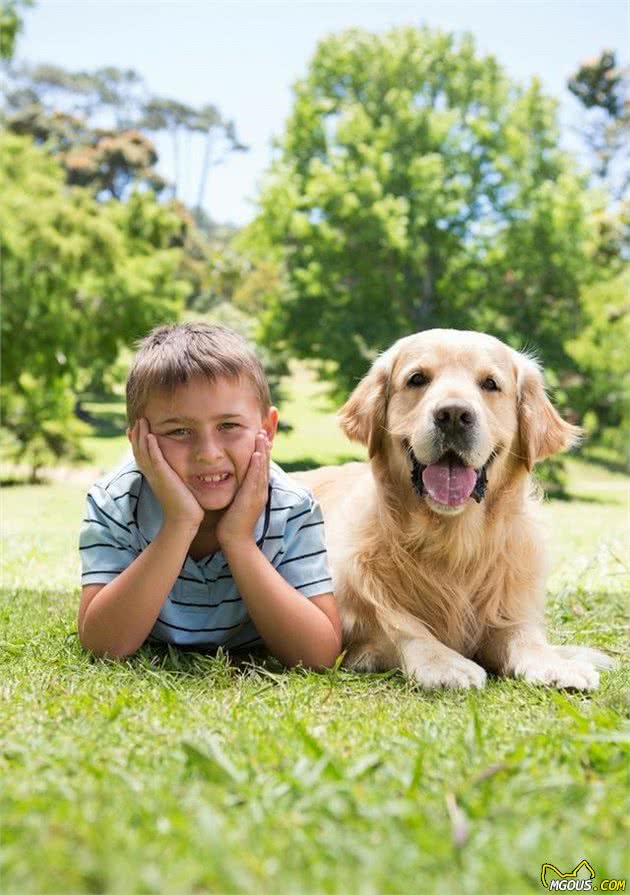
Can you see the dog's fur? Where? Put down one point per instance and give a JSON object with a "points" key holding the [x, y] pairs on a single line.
{"points": [[437, 590]]}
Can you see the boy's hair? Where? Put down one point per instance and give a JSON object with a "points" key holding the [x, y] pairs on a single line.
{"points": [[172, 355]]}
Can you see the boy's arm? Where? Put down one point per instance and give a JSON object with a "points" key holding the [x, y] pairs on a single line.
{"points": [[116, 618], [295, 629]]}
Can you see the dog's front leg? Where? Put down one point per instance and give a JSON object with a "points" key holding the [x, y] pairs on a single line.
{"points": [[431, 664], [521, 650]]}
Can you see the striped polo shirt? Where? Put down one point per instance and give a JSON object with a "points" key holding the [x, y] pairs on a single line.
{"points": [[204, 608]]}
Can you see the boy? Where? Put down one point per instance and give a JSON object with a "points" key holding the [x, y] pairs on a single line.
{"points": [[199, 540]]}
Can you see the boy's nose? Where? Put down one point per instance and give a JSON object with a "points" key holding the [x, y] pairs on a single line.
{"points": [[209, 450]]}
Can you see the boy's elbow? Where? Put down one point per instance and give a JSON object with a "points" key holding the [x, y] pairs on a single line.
{"points": [[110, 651], [326, 656], [334, 647]]}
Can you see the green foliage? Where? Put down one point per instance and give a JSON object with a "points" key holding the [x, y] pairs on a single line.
{"points": [[10, 25], [215, 270], [602, 86], [69, 111], [598, 82], [80, 280], [601, 351], [417, 187], [41, 424], [65, 112], [113, 164]]}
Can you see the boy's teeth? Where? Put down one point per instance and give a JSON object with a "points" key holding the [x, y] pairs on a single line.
{"points": [[214, 478]]}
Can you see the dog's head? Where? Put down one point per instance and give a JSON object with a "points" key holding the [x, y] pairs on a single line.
{"points": [[451, 413]]}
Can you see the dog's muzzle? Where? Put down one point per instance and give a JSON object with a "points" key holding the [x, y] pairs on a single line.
{"points": [[449, 481]]}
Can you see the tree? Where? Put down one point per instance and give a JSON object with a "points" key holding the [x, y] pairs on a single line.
{"points": [[97, 124], [80, 279], [416, 186], [114, 165], [603, 89], [602, 390], [220, 139], [116, 96], [601, 352], [177, 119], [66, 112], [10, 25], [173, 117]]}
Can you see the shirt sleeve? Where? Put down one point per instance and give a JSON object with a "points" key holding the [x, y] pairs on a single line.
{"points": [[105, 541], [304, 560]]}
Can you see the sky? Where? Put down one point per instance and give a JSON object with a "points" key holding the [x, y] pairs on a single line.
{"points": [[244, 57]]}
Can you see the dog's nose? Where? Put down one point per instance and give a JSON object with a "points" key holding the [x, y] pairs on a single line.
{"points": [[454, 418]]}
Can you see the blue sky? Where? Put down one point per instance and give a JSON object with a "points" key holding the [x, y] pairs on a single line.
{"points": [[244, 56]]}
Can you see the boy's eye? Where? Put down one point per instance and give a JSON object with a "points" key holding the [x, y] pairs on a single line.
{"points": [[228, 426], [179, 432]]}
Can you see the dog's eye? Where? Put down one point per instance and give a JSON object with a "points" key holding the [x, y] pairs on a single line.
{"points": [[417, 380], [490, 385]]}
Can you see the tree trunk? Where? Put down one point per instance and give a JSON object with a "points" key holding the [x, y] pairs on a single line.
{"points": [[422, 308], [175, 161], [204, 169]]}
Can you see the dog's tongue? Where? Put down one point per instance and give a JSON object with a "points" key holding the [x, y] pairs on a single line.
{"points": [[449, 483]]}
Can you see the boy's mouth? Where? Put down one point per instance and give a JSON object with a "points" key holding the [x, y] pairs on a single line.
{"points": [[212, 480]]}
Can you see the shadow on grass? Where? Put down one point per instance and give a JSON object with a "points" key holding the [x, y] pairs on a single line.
{"points": [[14, 481], [604, 463], [566, 497], [197, 662], [106, 414], [108, 424]]}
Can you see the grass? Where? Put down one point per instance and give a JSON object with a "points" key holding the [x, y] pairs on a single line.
{"points": [[184, 773]]}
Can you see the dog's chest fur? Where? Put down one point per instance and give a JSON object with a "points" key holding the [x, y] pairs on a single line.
{"points": [[453, 582]]}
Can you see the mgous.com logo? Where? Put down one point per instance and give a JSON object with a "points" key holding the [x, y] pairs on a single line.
{"points": [[580, 879]]}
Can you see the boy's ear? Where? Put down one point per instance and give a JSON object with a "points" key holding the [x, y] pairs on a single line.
{"points": [[270, 423], [130, 430], [542, 431]]}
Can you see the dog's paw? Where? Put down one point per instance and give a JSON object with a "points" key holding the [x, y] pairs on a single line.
{"points": [[593, 657], [431, 668], [551, 669]]}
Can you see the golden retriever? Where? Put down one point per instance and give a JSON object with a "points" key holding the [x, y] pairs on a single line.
{"points": [[437, 547]]}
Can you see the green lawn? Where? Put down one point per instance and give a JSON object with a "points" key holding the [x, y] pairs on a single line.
{"points": [[180, 773]]}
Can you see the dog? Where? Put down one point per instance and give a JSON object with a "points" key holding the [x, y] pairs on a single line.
{"points": [[437, 545]]}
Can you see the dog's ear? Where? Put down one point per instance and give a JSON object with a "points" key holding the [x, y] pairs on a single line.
{"points": [[363, 415], [542, 431]]}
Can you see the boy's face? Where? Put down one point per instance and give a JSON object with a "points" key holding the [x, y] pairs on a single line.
{"points": [[206, 432]]}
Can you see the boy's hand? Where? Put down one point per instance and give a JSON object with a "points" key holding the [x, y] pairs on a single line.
{"points": [[179, 505], [238, 522]]}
